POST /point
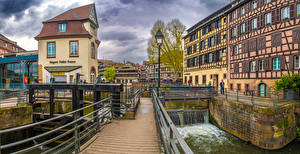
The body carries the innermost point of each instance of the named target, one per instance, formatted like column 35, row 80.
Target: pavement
column 129, row 136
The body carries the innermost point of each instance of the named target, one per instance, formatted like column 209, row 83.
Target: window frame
column 276, row 62
column 298, row 10
column 236, row 49
column 254, row 24
column 268, row 1
column 70, row 55
column 62, row 27
column 295, row 62
column 210, row 57
column 253, row 66
column 288, row 15
column 243, row 28
column 261, row 64
column 253, row 7
column 243, row 11
column 268, row 16
column 54, row 49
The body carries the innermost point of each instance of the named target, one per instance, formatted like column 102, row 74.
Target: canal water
column 205, row 138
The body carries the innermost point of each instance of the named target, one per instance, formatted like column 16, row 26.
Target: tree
column 110, row 74
column 171, row 49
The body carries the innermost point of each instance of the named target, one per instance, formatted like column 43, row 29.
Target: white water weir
column 181, row 117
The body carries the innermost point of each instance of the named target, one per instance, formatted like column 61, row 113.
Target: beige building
column 68, row 45
column 205, row 50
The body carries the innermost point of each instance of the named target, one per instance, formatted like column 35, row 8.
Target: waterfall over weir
column 187, row 117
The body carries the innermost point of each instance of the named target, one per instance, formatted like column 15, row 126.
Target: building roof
column 218, row 13
column 73, row 18
column 75, row 28
column 2, row 37
column 79, row 13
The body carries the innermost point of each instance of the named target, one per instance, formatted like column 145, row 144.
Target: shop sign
column 58, row 73
column 40, row 73
column 62, row 61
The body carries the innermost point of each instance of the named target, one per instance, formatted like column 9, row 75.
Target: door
column 216, row 80
column 262, row 90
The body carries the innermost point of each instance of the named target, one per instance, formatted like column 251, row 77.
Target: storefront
column 14, row 70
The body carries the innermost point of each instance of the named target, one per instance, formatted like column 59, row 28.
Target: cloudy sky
column 124, row 24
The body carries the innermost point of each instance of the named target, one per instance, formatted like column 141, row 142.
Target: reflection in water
column 207, row 138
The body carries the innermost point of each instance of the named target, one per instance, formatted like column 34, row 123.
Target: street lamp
column 159, row 39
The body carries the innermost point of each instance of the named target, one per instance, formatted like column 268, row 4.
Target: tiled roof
column 2, row 37
column 79, row 13
column 74, row 28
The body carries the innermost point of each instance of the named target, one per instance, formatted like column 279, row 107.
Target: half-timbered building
column 205, row 50
column 263, row 43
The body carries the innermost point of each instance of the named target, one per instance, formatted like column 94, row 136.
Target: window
column 194, row 36
column 191, row 78
column 6, row 45
column 202, row 59
column 73, row 48
column 224, row 36
column 236, row 49
column 225, row 20
column 212, row 39
column 185, row 79
column 242, row 10
column 204, row 79
column 247, row 87
column 254, row 5
column 234, row 15
column 195, row 48
column 276, row 64
column 195, row 61
column 297, row 62
column 218, row 24
column 285, row 13
column 211, row 76
column 298, row 10
column 219, row 56
column 51, row 49
column 233, row 32
column 238, row 86
column 231, row 86
column 189, row 50
column 224, row 76
column 62, row 27
column 253, row 66
column 268, row 18
column 93, row 51
column 243, row 28
column 261, row 65
column 210, row 57
column 254, row 23
column 196, row 79
column 202, row 45
column 267, row 1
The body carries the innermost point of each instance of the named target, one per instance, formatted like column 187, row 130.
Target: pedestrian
column 189, row 82
column 222, row 84
column 84, row 82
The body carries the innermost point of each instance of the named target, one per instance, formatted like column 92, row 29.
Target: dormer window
column 62, row 27
column 6, row 45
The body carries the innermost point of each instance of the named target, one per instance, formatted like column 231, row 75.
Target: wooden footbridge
column 97, row 123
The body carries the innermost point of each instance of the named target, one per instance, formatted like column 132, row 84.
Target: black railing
column 169, row 135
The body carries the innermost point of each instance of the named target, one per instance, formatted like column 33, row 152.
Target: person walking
column 222, row 84
column 189, row 82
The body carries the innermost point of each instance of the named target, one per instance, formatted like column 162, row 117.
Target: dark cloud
column 215, row 4
column 16, row 7
column 118, row 36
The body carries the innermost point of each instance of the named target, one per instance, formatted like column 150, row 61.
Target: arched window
column 93, row 51
column 262, row 90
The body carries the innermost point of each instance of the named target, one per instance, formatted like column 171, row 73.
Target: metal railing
column 10, row 98
column 169, row 135
column 83, row 128
column 268, row 98
column 130, row 102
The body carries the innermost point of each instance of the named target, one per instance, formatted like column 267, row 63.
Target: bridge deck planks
column 129, row 136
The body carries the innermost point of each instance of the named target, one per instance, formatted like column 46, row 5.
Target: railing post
column 252, row 97
column 52, row 105
column 237, row 95
column 76, row 134
column 97, row 98
column 116, row 101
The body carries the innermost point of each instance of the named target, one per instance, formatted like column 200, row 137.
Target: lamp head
column 159, row 37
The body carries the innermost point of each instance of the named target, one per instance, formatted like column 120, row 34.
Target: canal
column 205, row 138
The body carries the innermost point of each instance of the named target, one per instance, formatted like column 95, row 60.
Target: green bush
column 288, row 82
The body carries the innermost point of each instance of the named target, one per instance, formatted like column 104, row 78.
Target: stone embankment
column 265, row 127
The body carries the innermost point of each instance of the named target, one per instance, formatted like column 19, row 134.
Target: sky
column 124, row 25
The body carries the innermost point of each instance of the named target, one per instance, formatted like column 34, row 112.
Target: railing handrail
column 51, row 119
column 174, row 130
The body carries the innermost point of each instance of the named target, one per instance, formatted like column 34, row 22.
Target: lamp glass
column 159, row 40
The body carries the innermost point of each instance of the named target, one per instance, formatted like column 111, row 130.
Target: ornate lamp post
column 159, row 40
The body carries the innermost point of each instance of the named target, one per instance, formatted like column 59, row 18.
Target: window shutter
column 246, row 27
column 250, row 25
column 231, row 50
column 296, row 35
column 238, row 31
column 206, row 58
column 291, row 61
column 245, row 46
column 263, row 20
column 278, row 15
column 273, row 16
column 200, row 60
column 258, row 21
column 236, row 68
column 247, row 66
column 282, row 62
column 292, row 11
column 256, row 65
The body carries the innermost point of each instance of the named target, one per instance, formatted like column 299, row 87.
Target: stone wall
column 15, row 116
column 264, row 127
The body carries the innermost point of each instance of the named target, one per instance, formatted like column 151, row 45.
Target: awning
column 61, row 68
